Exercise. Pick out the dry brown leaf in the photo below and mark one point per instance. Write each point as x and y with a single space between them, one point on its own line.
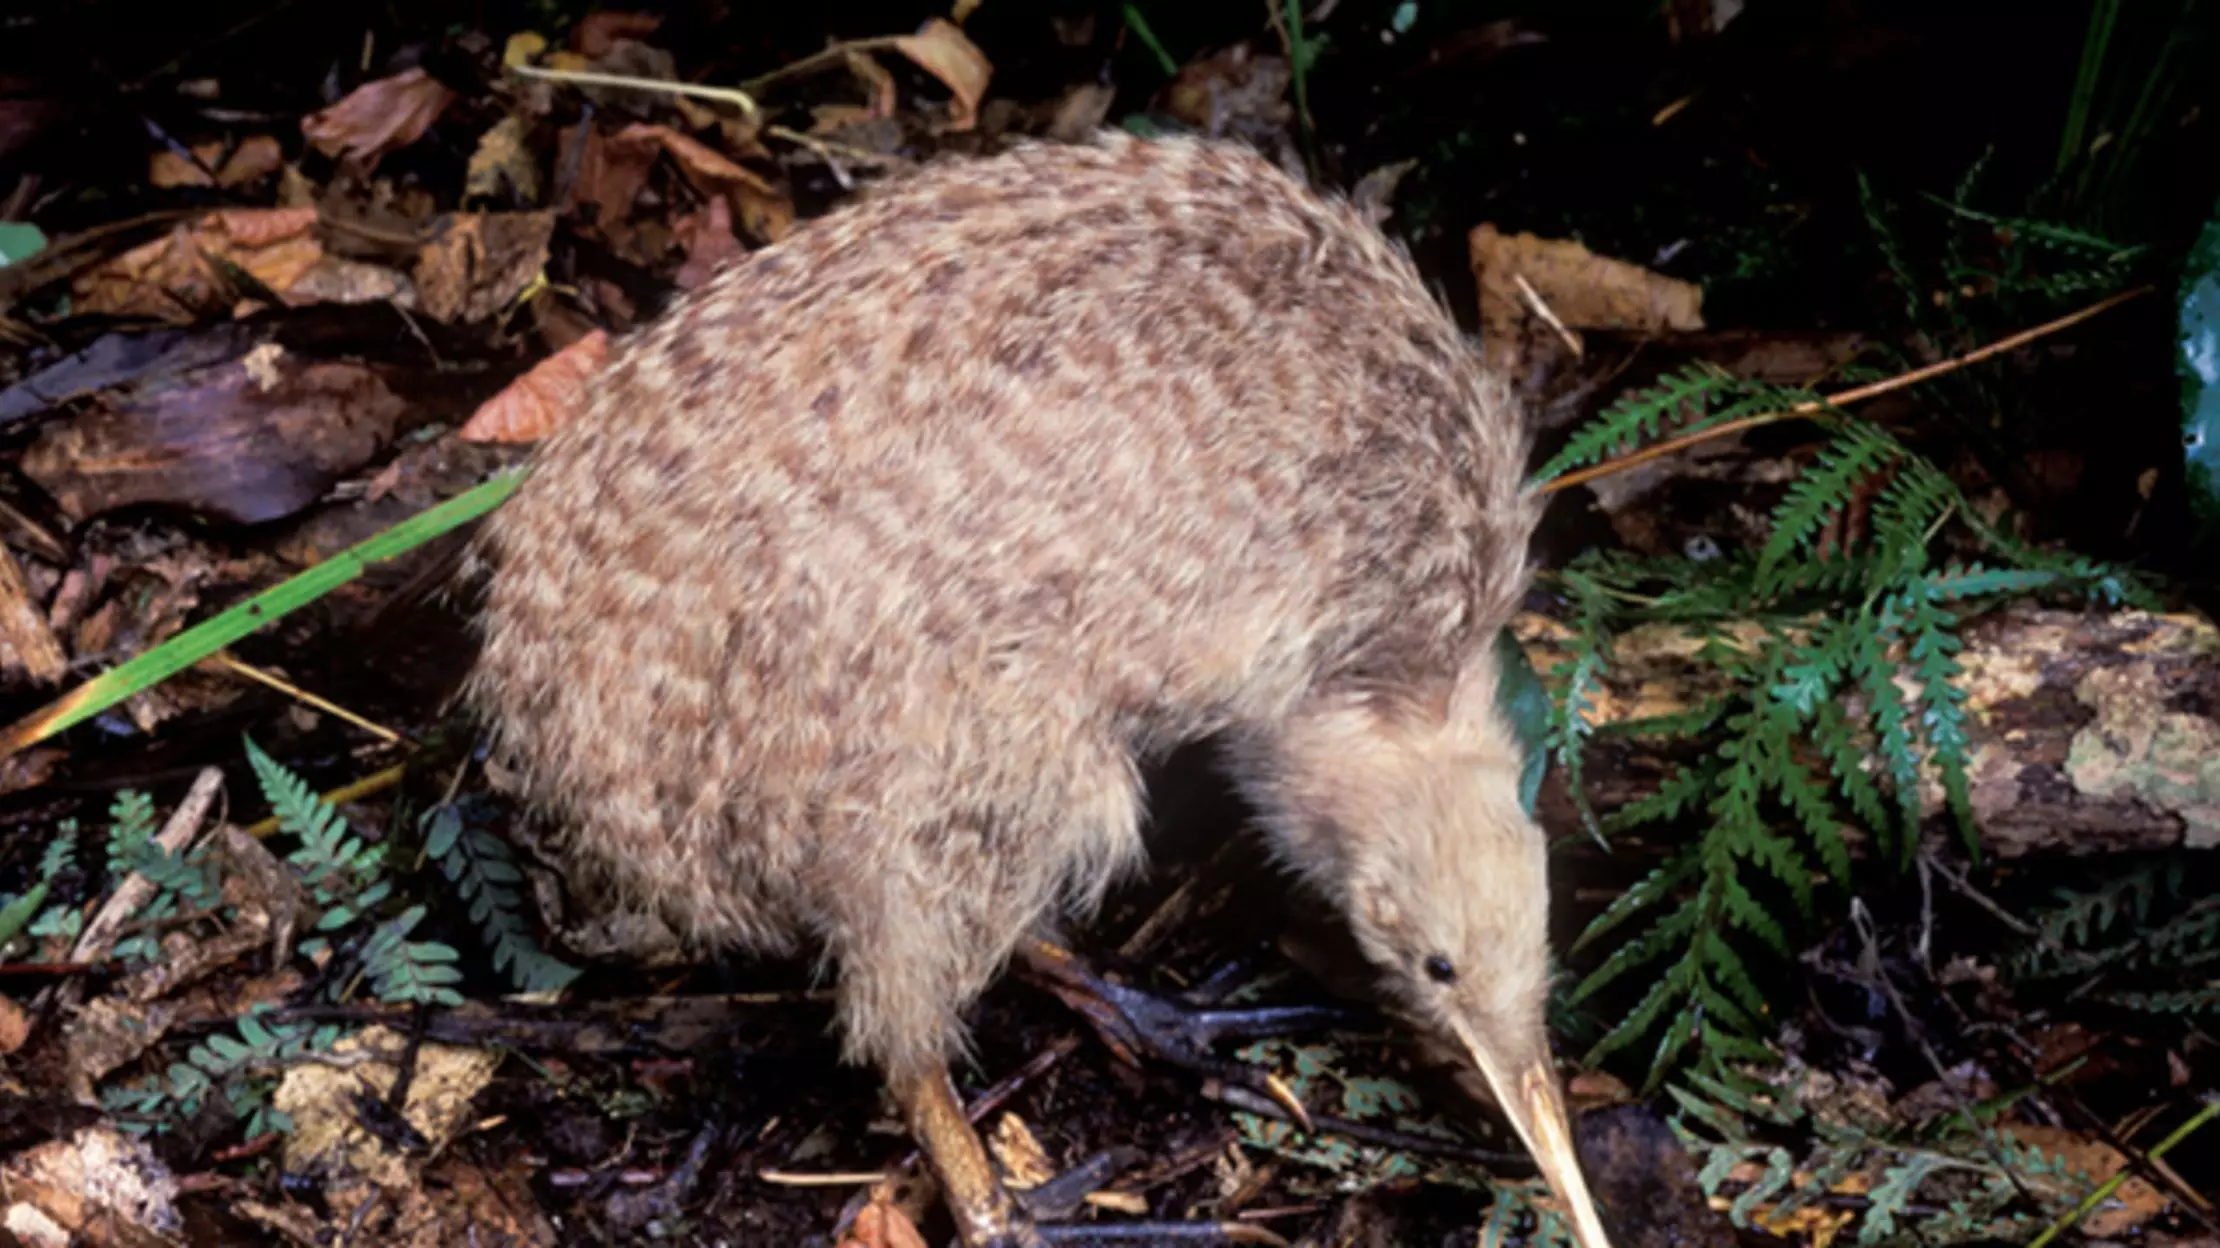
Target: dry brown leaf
1536 287
15 1026
503 164
28 645
176 276
762 209
599 31
1236 91
1025 1164
609 179
250 439
882 1225
945 53
255 158
709 242
476 264
378 117
708 167
542 400
875 79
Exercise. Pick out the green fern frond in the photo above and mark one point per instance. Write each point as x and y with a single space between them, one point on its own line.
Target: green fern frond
1905 517
1934 647
485 875
1638 418
1853 456
1647 891
1836 741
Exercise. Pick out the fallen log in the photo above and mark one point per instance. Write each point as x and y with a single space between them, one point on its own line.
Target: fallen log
2090 732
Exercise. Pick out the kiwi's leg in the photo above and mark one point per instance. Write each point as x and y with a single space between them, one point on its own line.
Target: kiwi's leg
985 1215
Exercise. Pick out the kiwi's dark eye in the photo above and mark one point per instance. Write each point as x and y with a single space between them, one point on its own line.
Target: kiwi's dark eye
1440 969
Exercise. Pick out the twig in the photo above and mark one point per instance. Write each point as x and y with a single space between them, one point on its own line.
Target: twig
1548 314
225 660
739 99
835 1178
136 890
1855 395
376 782
2105 1189
836 54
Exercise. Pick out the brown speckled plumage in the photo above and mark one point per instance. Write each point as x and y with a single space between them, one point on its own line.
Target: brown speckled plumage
840 617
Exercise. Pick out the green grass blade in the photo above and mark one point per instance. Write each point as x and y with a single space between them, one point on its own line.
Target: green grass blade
205 638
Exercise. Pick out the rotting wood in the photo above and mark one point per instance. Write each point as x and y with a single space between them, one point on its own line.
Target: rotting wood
2090 732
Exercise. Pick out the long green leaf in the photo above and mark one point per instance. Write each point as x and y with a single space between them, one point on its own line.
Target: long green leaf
205 638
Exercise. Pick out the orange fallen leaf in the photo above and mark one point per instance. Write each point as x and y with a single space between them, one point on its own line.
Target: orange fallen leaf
542 400
176 276
945 53
379 116
882 1225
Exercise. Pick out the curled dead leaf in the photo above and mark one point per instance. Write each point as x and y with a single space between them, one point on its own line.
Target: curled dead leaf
255 158
942 49
178 275
378 117
542 400
1537 290
475 265
882 1224
761 208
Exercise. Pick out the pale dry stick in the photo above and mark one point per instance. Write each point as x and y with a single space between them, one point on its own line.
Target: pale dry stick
136 890
239 667
1548 314
1854 395
739 99
833 1178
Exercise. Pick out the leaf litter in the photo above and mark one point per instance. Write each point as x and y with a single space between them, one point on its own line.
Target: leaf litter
249 1023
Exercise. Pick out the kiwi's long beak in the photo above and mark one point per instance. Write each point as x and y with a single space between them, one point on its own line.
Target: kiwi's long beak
1529 1094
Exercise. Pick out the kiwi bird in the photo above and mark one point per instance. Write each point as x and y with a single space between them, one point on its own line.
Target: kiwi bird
843 616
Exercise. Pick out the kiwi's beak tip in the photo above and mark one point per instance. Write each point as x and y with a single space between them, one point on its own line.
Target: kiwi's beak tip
1530 1096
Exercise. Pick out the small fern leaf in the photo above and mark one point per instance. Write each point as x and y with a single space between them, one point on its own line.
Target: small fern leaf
1663 937
1856 454
300 810
1647 891
1636 418
1669 988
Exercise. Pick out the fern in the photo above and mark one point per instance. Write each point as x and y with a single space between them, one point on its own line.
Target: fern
1975 1183
1855 454
485 875
1640 417
2139 927
1844 704
410 972
339 870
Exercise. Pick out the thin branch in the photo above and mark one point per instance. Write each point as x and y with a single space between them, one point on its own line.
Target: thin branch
1842 398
